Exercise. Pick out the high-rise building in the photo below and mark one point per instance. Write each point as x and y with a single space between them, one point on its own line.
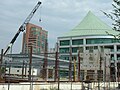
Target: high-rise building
36 37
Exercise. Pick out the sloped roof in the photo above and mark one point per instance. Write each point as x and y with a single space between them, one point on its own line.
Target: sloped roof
90 25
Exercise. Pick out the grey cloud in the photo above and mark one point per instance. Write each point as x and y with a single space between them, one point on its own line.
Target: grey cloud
58 16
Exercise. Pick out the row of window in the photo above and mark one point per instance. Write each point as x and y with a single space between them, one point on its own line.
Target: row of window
74 50
74 42
17 70
89 41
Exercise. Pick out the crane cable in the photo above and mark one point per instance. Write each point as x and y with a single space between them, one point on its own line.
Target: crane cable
40 18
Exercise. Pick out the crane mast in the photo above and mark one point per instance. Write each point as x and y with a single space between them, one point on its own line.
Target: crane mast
22 27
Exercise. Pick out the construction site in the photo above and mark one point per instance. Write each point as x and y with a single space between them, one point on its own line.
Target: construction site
45 72
81 60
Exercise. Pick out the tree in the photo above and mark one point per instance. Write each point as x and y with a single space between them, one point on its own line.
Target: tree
115 15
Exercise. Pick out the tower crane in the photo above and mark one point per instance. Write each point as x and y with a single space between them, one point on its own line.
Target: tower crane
22 27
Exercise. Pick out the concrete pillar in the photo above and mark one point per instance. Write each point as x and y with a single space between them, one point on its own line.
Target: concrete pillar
115 62
95 75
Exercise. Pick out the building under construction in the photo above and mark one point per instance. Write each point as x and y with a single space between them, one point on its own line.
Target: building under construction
91 34
85 54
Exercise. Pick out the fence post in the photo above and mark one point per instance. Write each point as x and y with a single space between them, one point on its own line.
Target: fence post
30 63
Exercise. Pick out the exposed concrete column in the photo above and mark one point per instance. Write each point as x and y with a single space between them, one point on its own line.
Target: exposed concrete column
84 43
95 75
115 58
71 41
115 48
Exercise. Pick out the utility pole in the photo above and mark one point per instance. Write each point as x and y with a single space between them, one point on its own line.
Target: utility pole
118 75
104 72
1 56
74 70
23 68
79 65
1 59
45 62
56 65
30 63
70 65
99 73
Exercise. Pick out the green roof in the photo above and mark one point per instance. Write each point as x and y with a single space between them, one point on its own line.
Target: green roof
90 25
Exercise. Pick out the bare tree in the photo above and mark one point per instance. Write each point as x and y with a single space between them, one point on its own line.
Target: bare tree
115 15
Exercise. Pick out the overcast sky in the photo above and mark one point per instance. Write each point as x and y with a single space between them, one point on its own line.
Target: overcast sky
58 17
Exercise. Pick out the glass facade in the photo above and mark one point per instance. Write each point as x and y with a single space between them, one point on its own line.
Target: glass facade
111 47
101 41
77 42
64 50
64 57
118 48
82 74
107 42
118 56
75 49
64 42
64 73
112 57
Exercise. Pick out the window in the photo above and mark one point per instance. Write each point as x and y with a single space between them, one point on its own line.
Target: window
81 59
64 42
75 49
118 56
64 50
95 47
90 48
77 42
102 48
112 57
99 40
64 57
17 70
82 74
100 75
118 48
33 28
116 40
111 47
64 73
91 57
90 74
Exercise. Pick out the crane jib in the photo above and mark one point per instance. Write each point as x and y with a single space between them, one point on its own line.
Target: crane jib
15 37
22 27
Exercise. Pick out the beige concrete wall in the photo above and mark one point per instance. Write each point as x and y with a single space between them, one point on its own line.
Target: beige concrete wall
63 86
